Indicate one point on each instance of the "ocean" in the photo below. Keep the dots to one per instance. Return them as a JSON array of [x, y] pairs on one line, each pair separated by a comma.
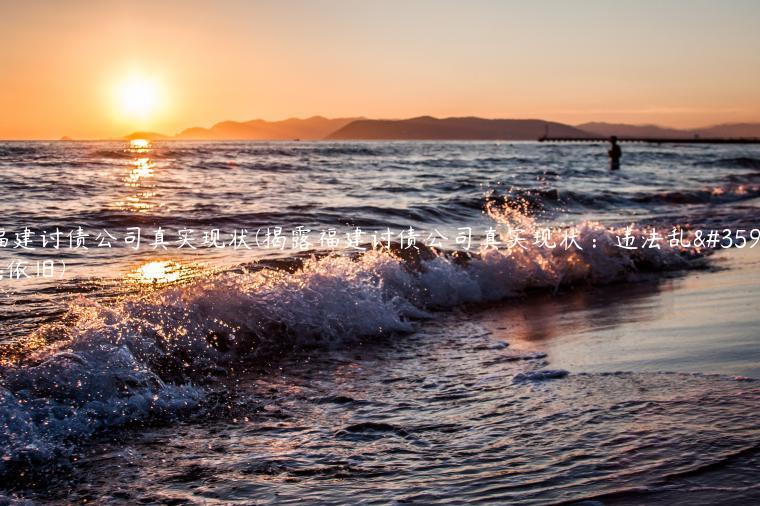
[[379, 322]]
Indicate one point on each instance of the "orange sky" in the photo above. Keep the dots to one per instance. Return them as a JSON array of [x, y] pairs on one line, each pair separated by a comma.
[[677, 63]]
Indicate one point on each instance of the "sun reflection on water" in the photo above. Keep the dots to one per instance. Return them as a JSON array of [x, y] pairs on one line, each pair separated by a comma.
[[142, 168], [139, 144], [162, 272], [139, 178]]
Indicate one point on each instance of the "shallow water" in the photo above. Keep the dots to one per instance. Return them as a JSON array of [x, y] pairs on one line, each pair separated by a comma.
[[441, 417], [216, 375], [706, 321]]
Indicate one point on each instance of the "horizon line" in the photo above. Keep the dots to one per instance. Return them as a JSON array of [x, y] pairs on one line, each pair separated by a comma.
[[66, 138]]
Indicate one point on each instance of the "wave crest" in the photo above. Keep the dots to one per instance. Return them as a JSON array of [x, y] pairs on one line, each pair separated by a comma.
[[152, 356]]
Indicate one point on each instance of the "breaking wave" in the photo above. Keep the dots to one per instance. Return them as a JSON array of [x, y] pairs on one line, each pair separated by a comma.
[[153, 357]]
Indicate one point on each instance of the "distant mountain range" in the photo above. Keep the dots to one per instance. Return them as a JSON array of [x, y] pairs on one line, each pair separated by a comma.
[[314, 128], [729, 130], [429, 128]]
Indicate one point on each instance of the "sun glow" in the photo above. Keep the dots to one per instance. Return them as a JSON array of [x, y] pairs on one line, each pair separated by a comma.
[[139, 145], [139, 97], [159, 272]]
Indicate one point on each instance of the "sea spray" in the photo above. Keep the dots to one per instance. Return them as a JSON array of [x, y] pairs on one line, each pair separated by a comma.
[[150, 357]]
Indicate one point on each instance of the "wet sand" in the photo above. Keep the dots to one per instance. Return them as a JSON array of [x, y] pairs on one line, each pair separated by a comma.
[[705, 321]]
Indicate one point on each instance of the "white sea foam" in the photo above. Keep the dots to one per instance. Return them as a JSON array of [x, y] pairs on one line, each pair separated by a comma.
[[144, 357]]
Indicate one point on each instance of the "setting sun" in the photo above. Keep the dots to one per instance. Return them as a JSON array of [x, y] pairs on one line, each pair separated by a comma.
[[138, 97]]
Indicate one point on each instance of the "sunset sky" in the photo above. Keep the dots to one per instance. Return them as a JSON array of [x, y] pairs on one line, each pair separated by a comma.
[[103, 69]]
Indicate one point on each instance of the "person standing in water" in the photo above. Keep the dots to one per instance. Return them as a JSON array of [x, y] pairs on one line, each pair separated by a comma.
[[614, 153]]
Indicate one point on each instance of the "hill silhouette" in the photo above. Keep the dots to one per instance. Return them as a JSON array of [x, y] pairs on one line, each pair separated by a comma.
[[151, 136], [748, 130], [622, 130], [468, 128], [728, 130], [314, 128]]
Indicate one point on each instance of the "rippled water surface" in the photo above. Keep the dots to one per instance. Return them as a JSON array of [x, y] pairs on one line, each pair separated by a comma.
[[218, 375]]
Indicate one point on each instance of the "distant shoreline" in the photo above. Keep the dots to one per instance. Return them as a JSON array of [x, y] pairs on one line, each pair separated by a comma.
[[428, 128]]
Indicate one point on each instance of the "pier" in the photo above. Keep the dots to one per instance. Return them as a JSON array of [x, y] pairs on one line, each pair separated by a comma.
[[655, 140]]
